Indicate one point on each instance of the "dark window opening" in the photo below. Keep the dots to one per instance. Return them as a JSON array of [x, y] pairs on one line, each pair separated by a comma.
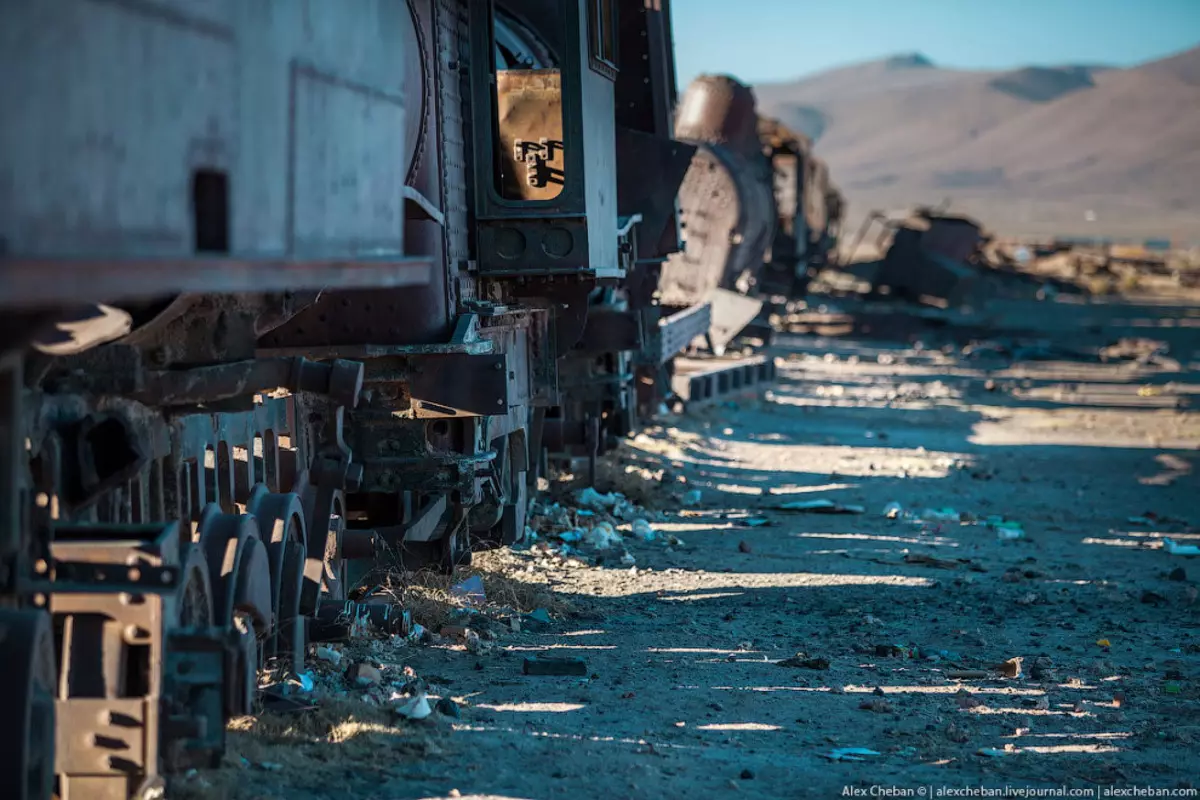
[[602, 22], [210, 211]]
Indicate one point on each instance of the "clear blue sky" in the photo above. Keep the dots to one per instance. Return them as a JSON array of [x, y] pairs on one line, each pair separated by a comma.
[[771, 40]]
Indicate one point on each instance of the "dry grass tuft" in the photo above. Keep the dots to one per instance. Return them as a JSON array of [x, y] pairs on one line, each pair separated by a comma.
[[427, 595], [311, 748]]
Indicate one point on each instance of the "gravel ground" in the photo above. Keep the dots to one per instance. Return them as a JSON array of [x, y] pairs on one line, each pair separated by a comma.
[[898, 634]]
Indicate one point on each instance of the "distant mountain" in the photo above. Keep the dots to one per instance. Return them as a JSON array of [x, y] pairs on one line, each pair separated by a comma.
[[1036, 151]]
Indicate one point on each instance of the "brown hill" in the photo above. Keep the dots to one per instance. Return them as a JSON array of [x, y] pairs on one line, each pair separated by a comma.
[[1072, 150]]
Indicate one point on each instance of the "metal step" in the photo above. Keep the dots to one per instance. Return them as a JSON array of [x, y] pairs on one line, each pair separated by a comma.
[[706, 380]]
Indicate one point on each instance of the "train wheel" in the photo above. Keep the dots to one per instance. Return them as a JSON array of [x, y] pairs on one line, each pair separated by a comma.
[[290, 640], [325, 569], [280, 520], [28, 677], [240, 570], [199, 742], [506, 521]]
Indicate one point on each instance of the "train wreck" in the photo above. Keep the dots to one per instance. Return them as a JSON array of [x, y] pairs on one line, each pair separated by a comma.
[[349, 349]]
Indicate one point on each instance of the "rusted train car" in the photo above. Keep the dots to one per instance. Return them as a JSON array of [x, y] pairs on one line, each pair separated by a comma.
[[758, 209], [294, 290]]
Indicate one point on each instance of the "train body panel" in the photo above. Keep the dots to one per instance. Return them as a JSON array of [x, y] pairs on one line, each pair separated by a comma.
[[171, 128]]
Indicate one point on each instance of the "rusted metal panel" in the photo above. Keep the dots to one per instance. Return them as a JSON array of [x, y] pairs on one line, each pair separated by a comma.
[[650, 170], [645, 89], [729, 218], [347, 193], [815, 192], [611, 330], [953, 238], [58, 282], [154, 128], [719, 110], [699, 383], [678, 330], [451, 59], [109, 108]]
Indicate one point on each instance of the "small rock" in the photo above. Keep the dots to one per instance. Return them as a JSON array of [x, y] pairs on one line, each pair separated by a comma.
[[956, 734], [744, 547], [542, 665], [448, 708], [877, 705], [801, 660], [1178, 574], [1042, 669], [747, 775], [967, 700], [477, 645]]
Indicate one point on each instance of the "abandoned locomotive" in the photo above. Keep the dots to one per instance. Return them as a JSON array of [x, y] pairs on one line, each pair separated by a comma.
[[364, 268]]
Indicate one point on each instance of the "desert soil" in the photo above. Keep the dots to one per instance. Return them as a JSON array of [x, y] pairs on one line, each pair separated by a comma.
[[684, 695]]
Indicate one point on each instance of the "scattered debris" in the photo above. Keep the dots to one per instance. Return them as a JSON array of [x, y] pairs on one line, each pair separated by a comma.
[[893, 510], [692, 498], [1177, 549], [363, 674], [327, 653], [878, 705], [642, 530], [412, 707], [850, 754], [804, 661], [470, 591], [930, 561], [819, 507], [940, 515], [1011, 668], [554, 665], [448, 708], [993, 752], [603, 536]]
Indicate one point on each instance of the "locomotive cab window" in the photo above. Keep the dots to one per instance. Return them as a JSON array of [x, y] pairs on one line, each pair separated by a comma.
[[528, 115], [602, 25]]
